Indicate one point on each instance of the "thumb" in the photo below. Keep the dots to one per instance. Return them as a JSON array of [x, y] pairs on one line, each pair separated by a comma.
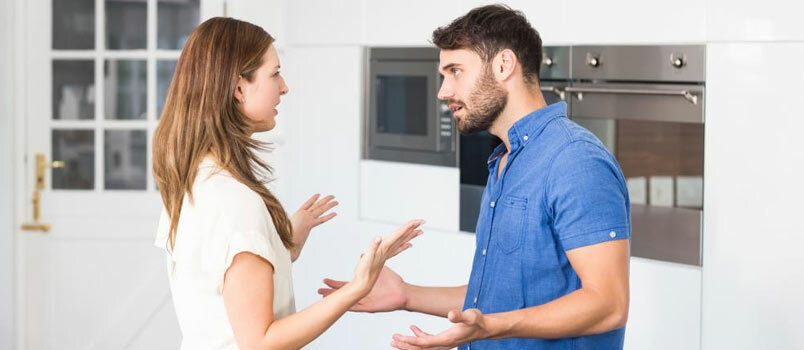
[[469, 316], [372, 249]]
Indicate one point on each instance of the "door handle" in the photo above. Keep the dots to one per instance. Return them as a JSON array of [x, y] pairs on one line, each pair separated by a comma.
[[554, 90], [36, 199]]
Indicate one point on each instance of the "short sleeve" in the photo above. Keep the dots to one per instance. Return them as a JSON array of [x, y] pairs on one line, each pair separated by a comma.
[[254, 242], [587, 197]]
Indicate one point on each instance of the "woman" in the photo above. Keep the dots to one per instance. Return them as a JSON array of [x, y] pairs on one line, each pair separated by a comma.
[[229, 242]]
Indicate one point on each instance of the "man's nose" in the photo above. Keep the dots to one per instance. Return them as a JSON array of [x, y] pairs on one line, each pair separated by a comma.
[[445, 92]]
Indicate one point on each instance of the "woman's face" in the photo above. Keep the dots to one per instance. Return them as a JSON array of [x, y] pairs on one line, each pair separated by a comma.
[[258, 98]]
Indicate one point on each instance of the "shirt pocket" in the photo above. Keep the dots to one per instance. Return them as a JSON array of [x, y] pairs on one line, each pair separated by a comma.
[[509, 223]]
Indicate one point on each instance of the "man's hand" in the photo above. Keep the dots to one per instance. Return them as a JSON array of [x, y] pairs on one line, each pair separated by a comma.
[[388, 293], [310, 215], [469, 325]]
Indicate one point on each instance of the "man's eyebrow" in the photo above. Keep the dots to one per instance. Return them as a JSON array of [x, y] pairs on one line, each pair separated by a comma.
[[448, 66]]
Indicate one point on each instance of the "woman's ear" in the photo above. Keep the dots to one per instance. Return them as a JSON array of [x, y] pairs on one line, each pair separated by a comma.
[[240, 90]]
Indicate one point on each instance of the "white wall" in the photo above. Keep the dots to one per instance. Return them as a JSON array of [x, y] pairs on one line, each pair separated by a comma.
[[753, 174], [6, 176]]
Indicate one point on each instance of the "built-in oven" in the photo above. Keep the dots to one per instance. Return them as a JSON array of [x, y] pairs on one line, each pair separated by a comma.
[[646, 104], [475, 149], [404, 120]]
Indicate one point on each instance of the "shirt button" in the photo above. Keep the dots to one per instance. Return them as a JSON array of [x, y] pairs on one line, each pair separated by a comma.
[[484, 252], [525, 137], [492, 204], [612, 234]]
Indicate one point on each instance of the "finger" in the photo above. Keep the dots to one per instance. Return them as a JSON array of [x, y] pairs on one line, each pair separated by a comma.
[[322, 201], [417, 341], [418, 332], [403, 346], [324, 219], [333, 283], [317, 211], [309, 202], [325, 291], [454, 316], [403, 241], [399, 250], [466, 317], [402, 233], [371, 251]]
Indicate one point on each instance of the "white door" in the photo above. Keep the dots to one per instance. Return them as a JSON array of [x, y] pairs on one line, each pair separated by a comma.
[[95, 76]]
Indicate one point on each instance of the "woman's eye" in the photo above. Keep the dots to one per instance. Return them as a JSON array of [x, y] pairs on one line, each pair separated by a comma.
[[275, 74]]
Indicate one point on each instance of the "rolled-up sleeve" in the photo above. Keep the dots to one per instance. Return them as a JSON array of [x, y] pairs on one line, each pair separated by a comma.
[[586, 196]]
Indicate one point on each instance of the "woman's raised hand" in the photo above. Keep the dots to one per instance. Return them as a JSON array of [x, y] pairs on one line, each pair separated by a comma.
[[380, 250], [310, 214]]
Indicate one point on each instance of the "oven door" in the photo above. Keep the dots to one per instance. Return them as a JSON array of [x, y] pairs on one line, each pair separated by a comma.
[[403, 108], [656, 132]]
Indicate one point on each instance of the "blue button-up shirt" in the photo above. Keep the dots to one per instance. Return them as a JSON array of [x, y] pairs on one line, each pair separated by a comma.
[[560, 190]]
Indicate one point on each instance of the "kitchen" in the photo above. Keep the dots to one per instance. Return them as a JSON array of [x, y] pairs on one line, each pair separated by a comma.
[[725, 289]]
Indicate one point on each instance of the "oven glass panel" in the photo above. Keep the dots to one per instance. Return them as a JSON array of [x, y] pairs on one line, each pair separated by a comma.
[[402, 104], [662, 161]]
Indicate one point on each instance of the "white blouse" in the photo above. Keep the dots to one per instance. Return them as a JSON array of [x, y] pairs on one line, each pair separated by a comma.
[[225, 218]]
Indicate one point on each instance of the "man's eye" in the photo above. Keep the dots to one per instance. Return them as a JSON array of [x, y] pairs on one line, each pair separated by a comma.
[[455, 71]]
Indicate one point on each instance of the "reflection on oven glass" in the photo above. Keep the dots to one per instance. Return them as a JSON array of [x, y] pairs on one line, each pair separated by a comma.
[[662, 161]]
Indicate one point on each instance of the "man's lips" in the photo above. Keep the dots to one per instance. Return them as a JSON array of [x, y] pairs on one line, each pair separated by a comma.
[[455, 107]]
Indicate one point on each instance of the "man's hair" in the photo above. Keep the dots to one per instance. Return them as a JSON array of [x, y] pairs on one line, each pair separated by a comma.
[[490, 29]]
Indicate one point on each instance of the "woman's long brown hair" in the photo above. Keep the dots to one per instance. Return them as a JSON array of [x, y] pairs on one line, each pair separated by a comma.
[[200, 117]]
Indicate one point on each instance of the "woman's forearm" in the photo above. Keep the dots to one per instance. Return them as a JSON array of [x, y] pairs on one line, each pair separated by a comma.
[[299, 329]]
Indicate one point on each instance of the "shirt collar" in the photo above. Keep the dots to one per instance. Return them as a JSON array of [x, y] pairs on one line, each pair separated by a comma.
[[529, 127]]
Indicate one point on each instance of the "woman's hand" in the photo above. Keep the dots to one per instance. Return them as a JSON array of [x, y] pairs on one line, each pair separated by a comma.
[[310, 215], [380, 250]]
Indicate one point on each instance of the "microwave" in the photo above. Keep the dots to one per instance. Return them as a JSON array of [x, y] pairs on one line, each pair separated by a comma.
[[403, 119]]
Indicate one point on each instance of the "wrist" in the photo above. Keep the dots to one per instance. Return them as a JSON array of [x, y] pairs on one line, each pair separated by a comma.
[[492, 327], [408, 291], [355, 290]]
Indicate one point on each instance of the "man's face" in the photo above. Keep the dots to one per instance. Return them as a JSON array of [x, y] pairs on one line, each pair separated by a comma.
[[475, 98]]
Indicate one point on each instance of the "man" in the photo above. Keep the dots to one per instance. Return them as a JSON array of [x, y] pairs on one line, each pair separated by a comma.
[[550, 269]]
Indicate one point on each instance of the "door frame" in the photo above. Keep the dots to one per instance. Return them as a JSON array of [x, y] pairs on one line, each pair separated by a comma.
[[12, 182]]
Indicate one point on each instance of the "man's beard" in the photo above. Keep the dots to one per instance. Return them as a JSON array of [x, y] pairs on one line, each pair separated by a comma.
[[488, 100]]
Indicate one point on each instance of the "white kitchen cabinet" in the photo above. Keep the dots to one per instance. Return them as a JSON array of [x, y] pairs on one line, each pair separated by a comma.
[[407, 23], [322, 116], [635, 21], [397, 192], [743, 20], [753, 233], [665, 310], [268, 14], [324, 22]]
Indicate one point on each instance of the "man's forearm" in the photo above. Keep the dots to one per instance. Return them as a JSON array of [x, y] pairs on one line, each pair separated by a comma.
[[581, 312], [437, 301]]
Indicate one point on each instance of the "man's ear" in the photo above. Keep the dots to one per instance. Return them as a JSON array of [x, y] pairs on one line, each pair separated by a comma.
[[504, 64]]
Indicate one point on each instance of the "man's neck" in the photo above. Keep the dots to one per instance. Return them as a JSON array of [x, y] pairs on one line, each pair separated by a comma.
[[518, 106]]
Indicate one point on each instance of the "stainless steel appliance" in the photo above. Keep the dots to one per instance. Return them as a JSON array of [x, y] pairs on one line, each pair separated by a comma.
[[404, 121], [646, 104]]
